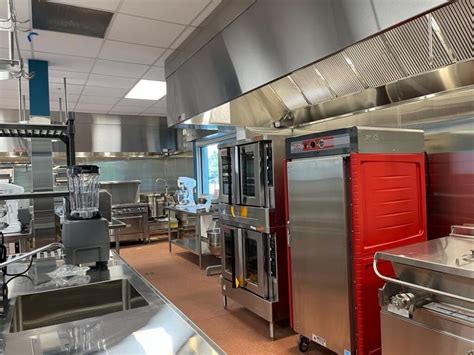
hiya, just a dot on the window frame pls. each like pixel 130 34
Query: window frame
pixel 201 174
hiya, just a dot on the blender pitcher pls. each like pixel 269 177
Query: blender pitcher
pixel 83 182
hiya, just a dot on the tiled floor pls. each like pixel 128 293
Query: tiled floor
pixel 177 276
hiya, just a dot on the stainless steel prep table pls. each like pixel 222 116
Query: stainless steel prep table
pixel 115 226
pixel 195 244
pixel 155 327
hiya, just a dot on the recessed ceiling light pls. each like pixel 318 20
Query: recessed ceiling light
pixel 147 90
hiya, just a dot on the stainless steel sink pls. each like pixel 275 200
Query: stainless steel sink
pixel 74 303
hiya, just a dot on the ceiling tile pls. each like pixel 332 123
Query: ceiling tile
pixel 143 31
pixel 101 100
pixel 8 94
pixel 57 77
pixel 65 62
pixel 13 85
pixel 127 110
pixel 136 103
pixel 109 67
pixel 155 73
pixel 94 108
pixel 65 43
pixel 178 11
pixel 10 103
pixel 59 89
pixel 99 91
pixel 161 61
pixel 71 99
pixel 182 37
pixel 131 53
pixel 207 11
pixel 106 5
pixel 109 81
pixel 161 103
pixel 24 45
pixel 155 111
pixel 22 8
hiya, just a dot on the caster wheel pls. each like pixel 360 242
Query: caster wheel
pixel 303 344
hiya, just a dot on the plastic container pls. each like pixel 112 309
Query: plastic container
pixel 83 182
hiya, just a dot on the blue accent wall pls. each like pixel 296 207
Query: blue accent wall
pixel 39 88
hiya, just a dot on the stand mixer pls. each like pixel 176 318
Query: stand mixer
pixel 185 192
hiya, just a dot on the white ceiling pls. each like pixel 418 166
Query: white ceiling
pixel 100 72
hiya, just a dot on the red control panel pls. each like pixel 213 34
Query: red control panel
pixel 318 143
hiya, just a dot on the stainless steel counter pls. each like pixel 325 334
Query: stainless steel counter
pixel 121 311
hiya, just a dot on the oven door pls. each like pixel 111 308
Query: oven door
pixel 225 175
pixel 254 262
pixel 251 175
pixel 229 253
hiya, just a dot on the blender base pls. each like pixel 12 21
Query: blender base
pixel 86 241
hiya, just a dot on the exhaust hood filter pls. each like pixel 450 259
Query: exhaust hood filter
pixel 70 19
pixel 339 75
pixel 456 23
pixel 374 62
pixel 313 86
pixel 410 43
pixel 289 93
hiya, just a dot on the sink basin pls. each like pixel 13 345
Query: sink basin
pixel 74 303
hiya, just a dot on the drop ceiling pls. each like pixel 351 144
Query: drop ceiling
pixel 100 72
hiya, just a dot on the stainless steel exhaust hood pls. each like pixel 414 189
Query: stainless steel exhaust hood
pixel 428 54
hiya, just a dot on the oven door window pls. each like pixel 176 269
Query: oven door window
pixel 226 175
pixel 248 173
pixel 228 257
pixel 254 261
pixel 251 261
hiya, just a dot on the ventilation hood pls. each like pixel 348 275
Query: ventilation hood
pixel 426 55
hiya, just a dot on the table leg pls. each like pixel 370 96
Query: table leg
pixel 198 240
pixel 169 229
pixel 117 240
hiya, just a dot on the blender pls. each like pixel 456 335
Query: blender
pixel 85 233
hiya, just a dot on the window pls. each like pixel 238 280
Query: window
pixel 210 170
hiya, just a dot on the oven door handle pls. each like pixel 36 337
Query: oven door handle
pixel 232 253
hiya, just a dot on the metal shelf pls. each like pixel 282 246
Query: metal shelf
pixel 66 133
pixel 28 195
pixel 51 131
pixel 190 245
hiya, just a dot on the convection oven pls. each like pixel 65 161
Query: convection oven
pixel 246 173
pixel 253 226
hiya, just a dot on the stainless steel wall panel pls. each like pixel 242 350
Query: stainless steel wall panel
pixel 42 180
pixel 319 250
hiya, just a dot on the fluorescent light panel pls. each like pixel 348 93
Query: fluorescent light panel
pixel 147 90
